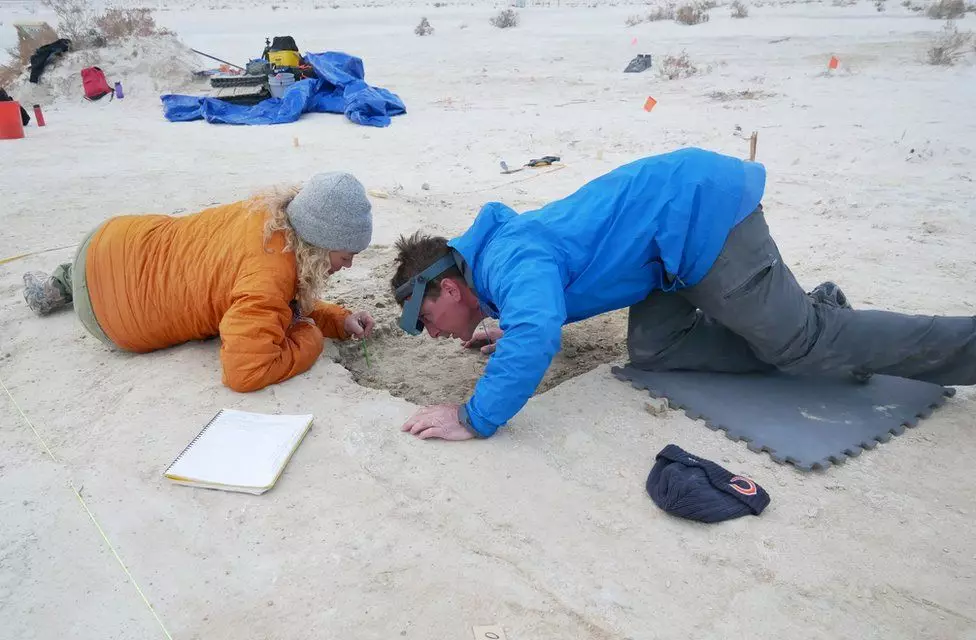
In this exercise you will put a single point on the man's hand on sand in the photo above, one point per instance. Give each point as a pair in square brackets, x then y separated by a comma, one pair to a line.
[485, 340]
[437, 421]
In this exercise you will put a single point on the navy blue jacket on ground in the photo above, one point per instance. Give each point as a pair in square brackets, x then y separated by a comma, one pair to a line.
[656, 223]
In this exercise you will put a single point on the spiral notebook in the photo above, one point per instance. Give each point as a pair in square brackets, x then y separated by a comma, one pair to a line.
[240, 451]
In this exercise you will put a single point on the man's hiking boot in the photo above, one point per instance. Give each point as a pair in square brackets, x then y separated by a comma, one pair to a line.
[830, 294]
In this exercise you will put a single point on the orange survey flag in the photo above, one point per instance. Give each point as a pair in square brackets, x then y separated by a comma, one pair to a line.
[649, 104]
[833, 62]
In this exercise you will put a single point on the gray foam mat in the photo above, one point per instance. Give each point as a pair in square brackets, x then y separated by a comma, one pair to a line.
[807, 422]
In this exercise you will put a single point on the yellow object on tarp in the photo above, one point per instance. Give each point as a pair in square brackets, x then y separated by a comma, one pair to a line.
[284, 58]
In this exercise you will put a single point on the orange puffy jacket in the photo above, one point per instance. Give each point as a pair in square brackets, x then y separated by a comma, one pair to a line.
[156, 281]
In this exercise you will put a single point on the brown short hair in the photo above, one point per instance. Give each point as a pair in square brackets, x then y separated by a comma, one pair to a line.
[416, 253]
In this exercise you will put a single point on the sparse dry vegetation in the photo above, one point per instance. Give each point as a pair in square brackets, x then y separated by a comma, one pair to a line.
[950, 45]
[739, 9]
[505, 19]
[692, 13]
[946, 10]
[676, 67]
[117, 24]
[662, 12]
[76, 21]
[744, 94]
[424, 28]
[9, 72]
[81, 22]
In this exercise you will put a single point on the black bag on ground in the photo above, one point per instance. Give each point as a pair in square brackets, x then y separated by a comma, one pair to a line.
[43, 56]
[640, 63]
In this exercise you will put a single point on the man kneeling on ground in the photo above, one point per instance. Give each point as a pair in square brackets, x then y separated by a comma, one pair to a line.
[681, 239]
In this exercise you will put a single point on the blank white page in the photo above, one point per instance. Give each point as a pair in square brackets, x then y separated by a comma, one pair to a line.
[240, 448]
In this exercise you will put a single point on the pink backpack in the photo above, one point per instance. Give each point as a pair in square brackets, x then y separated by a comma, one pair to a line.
[96, 86]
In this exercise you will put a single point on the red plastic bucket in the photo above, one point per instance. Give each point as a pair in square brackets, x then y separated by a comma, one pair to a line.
[11, 126]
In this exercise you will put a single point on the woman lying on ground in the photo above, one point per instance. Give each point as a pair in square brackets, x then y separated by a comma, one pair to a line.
[248, 272]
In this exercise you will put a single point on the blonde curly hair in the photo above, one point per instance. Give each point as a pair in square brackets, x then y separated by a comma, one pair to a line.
[313, 264]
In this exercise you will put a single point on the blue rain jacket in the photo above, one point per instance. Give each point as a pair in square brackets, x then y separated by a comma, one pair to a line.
[656, 223]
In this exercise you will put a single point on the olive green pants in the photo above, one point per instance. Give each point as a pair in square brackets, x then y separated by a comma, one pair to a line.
[72, 279]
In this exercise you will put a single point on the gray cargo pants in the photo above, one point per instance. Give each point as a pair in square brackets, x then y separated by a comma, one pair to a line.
[749, 314]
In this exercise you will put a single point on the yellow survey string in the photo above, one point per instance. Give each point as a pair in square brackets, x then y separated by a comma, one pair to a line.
[34, 253]
[91, 515]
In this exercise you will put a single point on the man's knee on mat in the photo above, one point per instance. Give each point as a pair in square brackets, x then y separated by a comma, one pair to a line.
[803, 354]
[649, 347]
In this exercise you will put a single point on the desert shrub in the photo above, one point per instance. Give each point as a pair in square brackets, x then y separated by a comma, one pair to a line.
[81, 22]
[76, 21]
[692, 13]
[739, 10]
[424, 28]
[675, 67]
[949, 46]
[664, 12]
[9, 72]
[506, 19]
[946, 10]
[633, 21]
[117, 24]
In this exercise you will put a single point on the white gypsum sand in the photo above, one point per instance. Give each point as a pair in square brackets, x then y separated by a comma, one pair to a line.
[545, 529]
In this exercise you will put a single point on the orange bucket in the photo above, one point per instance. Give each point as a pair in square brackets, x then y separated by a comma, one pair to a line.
[11, 126]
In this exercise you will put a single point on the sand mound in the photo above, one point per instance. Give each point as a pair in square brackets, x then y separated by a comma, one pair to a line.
[146, 67]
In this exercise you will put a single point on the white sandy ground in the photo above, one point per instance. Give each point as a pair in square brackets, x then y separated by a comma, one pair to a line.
[546, 528]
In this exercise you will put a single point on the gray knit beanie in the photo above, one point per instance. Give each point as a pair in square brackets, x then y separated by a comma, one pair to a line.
[332, 212]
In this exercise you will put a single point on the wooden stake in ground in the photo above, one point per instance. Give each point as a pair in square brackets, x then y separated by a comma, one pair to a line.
[752, 146]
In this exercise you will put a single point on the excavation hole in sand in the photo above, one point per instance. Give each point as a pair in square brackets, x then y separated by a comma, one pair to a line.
[424, 370]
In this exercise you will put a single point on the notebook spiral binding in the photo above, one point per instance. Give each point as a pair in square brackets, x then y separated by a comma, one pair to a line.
[193, 442]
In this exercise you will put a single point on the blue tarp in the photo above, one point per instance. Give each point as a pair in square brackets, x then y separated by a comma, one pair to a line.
[339, 88]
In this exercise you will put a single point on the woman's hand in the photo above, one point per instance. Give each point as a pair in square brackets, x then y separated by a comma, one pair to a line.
[485, 340]
[359, 325]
